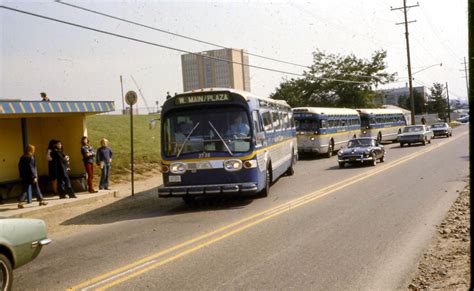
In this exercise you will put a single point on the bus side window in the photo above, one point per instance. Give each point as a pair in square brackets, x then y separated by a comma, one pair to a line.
[257, 128]
[267, 121]
[324, 123]
[276, 120]
[292, 120]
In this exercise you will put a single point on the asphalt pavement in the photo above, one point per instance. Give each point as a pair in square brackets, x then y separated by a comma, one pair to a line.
[323, 228]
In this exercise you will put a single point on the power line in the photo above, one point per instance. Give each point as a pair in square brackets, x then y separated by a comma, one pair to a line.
[175, 34]
[168, 47]
[191, 38]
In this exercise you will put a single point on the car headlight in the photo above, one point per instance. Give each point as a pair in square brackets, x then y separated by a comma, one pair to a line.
[233, 165]
[178, 168]
[339, 153]
[312, 139]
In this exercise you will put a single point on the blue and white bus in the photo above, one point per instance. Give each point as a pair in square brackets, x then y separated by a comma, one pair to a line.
[382, 124]
[223, 141]
[325, 130]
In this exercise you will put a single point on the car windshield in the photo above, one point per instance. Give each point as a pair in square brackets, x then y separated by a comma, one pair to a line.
[438, 125]
[207, 130]
[361, 143]
[306, 125]
[413, 129]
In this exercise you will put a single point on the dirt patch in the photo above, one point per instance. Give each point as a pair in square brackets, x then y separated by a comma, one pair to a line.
[446, 263]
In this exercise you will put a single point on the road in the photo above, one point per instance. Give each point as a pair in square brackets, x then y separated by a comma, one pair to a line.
[323, 228]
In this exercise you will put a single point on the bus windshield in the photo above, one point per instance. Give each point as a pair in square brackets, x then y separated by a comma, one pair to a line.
[364, 121]
[307, 125]
[226, 129]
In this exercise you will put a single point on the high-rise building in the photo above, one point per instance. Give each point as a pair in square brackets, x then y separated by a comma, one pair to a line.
[202, 72]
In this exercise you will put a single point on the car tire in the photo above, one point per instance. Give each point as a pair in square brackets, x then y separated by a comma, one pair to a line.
[429, 141]
[382, 159]
[341, 164]
[374, 160]
[402, 144]
[424, 141]
[6, 273]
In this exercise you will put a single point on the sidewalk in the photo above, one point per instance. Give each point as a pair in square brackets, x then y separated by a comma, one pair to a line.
[11, 210]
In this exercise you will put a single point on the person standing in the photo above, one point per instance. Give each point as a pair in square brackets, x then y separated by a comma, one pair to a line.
[88, 155]
[51, 168]
[103, 160]
[29, 177]
[61, 165]
[44, 97]
[423, 120]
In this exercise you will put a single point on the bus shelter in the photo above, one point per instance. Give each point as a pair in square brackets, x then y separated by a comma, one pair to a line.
[36, 123]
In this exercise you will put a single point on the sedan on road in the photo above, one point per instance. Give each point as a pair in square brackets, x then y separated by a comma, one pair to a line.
[415, 134]
[360, 150]
[21, 240]
[441, 129]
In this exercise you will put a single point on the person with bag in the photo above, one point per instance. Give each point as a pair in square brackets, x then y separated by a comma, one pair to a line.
[29, 177]
[104, 159]
[51, 169]
[61, 165]
[88, 155]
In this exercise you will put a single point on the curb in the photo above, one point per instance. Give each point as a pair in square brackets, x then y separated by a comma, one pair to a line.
[44, 210]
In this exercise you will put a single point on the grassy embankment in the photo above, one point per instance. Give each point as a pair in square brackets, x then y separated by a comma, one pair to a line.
[116, 128]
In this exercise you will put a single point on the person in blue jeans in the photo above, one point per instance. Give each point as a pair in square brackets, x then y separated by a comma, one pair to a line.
[29, 177]
[103, 160]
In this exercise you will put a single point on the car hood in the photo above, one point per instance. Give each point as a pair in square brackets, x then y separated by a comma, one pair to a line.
[356, 150]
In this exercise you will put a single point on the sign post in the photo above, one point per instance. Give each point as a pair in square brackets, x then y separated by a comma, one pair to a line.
[131, 99]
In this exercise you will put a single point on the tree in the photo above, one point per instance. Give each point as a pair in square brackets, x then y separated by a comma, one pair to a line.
[337, 81]
[437, 103]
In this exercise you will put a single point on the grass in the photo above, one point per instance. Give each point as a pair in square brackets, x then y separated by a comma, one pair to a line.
[116, 128]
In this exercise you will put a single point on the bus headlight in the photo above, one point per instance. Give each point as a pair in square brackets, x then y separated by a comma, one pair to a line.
[312, 139]
[178, 168]
[250, 164]
[233, 165]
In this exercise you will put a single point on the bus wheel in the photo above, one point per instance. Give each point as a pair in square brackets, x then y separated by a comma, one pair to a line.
[268, 180]
[189, 200]
[330, 149]
[291, 169]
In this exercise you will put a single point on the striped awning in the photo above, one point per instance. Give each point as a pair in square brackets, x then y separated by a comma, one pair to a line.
[42, 107]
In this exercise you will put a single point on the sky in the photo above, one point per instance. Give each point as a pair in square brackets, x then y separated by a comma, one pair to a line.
[70, 63]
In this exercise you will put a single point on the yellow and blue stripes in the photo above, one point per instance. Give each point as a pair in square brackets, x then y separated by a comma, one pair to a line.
[38, 107]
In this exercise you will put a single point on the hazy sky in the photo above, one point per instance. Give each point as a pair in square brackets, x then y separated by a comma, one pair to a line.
[71, 63]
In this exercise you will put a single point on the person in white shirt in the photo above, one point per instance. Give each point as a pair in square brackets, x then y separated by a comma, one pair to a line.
[238, 128]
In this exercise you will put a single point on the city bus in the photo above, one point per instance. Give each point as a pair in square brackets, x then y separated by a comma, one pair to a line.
[325, 130]
[224, 142]
[382, 124]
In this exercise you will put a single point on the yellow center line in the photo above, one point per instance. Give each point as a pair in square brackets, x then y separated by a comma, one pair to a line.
[270, 213]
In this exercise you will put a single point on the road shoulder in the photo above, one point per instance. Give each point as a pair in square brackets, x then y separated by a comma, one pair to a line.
[445, 263]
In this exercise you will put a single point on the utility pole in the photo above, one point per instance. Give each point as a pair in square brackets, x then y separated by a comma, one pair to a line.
[449, 106]
[465, 74]
[123, 98]
[410, 79]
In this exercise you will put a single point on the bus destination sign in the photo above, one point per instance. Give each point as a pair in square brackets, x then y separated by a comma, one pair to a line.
[206, 98]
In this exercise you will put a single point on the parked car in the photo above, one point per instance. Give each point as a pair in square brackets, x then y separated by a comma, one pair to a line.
[361, 150]
[441, 129]
[415, 134]
[21, 240]
[463, 119]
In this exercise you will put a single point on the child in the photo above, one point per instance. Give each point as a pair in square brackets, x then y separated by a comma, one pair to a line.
[29, 177]
[104, 159]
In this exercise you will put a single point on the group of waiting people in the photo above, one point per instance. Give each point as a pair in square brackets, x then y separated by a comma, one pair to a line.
[58, 168]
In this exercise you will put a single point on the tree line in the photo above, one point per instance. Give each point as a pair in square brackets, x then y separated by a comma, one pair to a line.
[334, 80]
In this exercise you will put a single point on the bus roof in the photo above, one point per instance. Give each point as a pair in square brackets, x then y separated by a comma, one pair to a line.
[247, 95]
[326, 110]
[378, 111]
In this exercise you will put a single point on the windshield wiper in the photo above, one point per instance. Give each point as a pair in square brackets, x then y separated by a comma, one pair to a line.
[220, 137]
[186, 140]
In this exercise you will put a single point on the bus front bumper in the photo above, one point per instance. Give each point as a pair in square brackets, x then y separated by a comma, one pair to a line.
[207, 190]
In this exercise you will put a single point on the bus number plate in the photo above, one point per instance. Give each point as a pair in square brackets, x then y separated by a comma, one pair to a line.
[174, 179]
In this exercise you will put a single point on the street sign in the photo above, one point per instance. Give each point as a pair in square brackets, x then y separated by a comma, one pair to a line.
[131, 98]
